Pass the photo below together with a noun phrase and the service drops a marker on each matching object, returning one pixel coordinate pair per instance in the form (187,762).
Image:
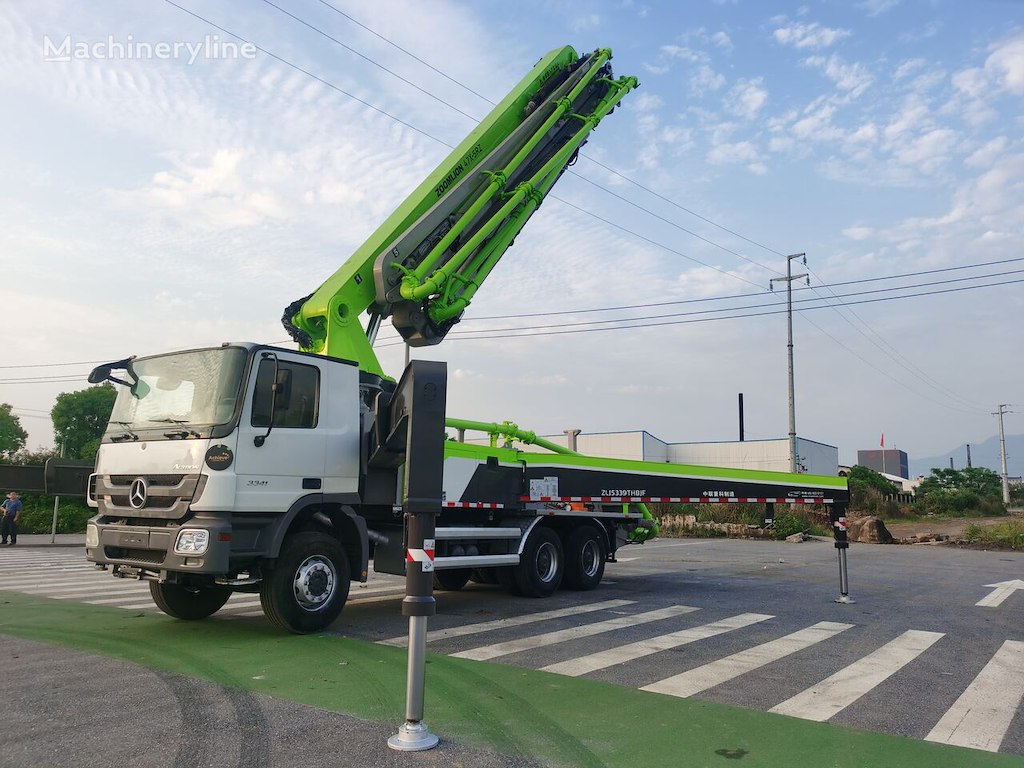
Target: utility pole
(788,280)
(1002,453)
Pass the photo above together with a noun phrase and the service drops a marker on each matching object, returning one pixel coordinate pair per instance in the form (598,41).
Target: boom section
(424,264)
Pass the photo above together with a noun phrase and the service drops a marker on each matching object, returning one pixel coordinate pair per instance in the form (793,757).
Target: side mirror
(99,374)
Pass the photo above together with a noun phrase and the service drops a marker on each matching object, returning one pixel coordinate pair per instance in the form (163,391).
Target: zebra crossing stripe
(64,580)
(717,672)
(982,715)
(70,591)
(513,621)
(630,651)
(486,652)
(833,694)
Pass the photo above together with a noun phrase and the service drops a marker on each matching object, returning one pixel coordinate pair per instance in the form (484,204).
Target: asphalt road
(748,624)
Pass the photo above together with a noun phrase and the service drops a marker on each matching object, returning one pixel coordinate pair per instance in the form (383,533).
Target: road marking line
(514,621)
(70,591)
(833,694)
(630,651)
(709,675)
(1002,591)
(982,715)
(48,579)
(587,630)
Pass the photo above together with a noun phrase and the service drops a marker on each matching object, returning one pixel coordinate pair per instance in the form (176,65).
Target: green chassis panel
(560,477)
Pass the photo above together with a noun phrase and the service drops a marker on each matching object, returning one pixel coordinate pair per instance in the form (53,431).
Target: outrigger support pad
(837,514)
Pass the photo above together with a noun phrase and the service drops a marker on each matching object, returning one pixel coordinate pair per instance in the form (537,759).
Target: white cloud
(705,79)
(1006,65)
(853,78)
(684,53)
(738,153)
(877,7)
(811,35)
(859,233)
(747,98)
(985,156)
(585,23)
(908,67)
(722,40)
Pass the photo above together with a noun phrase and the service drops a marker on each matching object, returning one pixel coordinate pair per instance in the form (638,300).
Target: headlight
(192,541)
(92,536)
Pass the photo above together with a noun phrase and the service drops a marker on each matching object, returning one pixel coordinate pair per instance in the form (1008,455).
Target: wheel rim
(590,558)
(547,562)
(315,582)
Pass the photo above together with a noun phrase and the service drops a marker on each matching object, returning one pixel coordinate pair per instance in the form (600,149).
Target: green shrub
(37,514)
(1009,534)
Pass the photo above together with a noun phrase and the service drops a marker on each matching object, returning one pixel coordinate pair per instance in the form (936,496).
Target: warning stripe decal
(681,499)
(472,504)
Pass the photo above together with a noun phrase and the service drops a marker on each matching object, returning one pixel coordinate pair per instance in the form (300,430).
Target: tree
(865,478)
(978,480)
(79,419)
(12,435)
(973,490)
(868,491)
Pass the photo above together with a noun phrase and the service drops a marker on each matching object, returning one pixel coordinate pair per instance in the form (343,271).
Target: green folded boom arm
(425,263)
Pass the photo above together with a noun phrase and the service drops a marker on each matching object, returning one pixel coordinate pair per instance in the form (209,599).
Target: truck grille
(167,496)
(151,556)
(151,480)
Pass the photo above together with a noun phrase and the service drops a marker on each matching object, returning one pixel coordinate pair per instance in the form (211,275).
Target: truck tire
(541,565)
(451,580)
(307,587)
(585,554)
(188,603)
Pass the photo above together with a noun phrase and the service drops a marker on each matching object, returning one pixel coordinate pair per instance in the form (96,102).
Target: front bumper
(151,548)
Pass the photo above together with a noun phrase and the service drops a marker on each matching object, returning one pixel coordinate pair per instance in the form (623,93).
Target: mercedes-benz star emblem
(137,495)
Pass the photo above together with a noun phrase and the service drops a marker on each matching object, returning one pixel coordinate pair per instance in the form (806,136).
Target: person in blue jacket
(11,512)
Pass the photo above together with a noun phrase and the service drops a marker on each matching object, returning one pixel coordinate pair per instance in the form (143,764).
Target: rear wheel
(541,565)
(451,580)
(188,602)
(308,585)
(585,555)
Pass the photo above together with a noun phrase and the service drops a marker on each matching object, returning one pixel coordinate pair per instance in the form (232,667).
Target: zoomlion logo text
(460,167)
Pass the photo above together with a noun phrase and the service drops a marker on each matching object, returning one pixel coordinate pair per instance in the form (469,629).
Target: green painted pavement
(561,721)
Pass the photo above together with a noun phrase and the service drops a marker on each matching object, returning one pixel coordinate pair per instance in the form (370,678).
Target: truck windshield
(197,388)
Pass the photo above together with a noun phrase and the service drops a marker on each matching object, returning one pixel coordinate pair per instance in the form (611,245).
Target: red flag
(883,439)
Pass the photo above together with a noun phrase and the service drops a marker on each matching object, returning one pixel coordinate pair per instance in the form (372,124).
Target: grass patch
(1008,535)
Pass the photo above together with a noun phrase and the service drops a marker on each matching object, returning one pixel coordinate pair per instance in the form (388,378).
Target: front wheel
(307,587)
(187,602)
(541,565)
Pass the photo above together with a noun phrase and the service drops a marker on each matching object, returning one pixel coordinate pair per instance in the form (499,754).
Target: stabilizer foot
(413,737)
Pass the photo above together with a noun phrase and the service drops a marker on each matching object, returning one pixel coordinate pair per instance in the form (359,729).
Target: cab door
(282,434)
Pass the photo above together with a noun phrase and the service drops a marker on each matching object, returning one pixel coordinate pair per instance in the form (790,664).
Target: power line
(759,306)
(740,295)
(899,358)
(860,326)
(505,333)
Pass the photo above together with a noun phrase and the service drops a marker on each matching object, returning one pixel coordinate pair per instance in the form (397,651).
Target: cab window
(297,397)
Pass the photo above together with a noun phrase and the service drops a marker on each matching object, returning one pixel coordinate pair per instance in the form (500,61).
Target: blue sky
(159,203)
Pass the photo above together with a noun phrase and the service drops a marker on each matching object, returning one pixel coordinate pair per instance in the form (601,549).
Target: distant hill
(984,454)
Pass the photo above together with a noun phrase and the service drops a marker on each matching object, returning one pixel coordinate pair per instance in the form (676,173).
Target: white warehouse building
(812,457)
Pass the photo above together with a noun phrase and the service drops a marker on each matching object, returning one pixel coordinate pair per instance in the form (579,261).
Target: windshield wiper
(185,433)
(126,435)
(181,434)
